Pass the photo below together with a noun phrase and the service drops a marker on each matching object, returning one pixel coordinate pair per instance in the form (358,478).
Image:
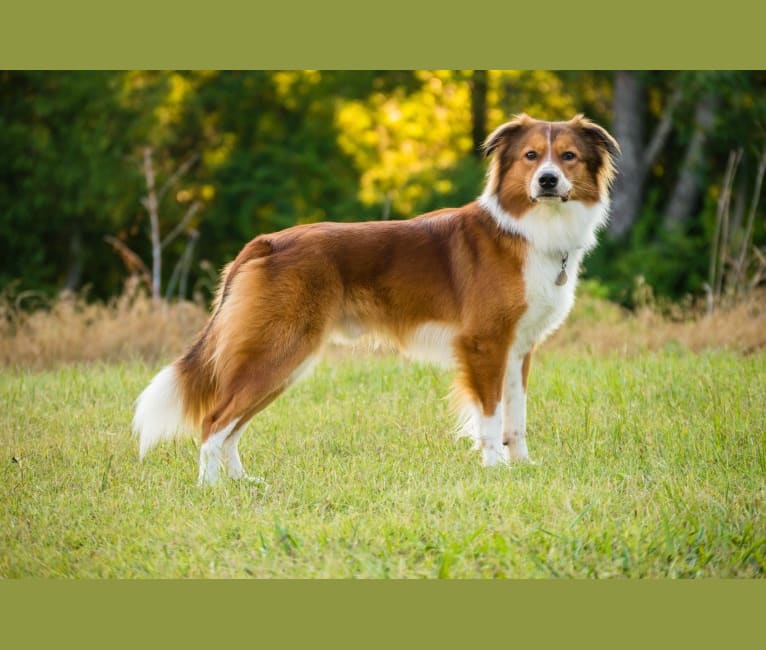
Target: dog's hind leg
(254,386)
(224,425)
(272,325)
(231,460)
(210,454)
(230,450)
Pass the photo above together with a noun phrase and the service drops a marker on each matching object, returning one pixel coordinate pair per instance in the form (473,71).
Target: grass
(647,466)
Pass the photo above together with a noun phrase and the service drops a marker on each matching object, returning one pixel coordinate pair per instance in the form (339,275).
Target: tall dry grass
(600,327)
(70,329)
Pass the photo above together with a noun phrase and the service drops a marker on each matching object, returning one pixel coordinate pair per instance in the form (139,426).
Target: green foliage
(672,262)
(675,261)
(62,173)
(276,148)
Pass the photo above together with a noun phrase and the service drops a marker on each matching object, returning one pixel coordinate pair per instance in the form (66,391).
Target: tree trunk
(479,110)
(686,192)
(628,128)
(151,204)
(738,201)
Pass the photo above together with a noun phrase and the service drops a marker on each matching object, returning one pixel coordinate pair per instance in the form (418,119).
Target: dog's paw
(516,448)
(519,456)
(491,457)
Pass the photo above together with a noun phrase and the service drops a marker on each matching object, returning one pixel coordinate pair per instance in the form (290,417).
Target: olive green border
(540,614)
(349,34)
(536,614)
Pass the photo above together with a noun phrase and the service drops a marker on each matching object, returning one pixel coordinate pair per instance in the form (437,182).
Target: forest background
(230,155)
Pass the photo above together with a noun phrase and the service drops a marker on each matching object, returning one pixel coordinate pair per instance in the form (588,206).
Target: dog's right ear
(505,133)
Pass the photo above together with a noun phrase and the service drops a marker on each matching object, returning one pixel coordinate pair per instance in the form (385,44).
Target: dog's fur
(476,286)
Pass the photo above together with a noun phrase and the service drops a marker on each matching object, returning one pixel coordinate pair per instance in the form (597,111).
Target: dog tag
(561,280)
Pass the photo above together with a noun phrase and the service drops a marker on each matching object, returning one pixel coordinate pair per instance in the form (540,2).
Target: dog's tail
(177,399)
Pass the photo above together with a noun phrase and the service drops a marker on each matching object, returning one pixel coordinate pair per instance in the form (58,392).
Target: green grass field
(649,466)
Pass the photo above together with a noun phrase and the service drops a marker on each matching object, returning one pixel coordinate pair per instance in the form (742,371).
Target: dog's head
(536,162)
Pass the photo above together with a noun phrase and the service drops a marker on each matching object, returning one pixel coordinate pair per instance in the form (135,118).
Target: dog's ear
(504,133)
(596,134)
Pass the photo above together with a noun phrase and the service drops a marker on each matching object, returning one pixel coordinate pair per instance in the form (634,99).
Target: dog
(477,287)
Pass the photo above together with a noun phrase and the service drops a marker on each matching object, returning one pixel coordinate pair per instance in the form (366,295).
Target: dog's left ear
(597,134)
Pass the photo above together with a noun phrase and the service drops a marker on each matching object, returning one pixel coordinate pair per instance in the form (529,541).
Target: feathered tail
(179,396)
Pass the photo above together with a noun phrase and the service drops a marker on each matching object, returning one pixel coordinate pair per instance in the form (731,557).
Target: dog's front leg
(515,406)
(491,431)
(482,367)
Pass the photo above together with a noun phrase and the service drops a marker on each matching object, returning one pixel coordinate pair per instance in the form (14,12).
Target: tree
(685,195)
(638,154)
(276,148)
(65,139)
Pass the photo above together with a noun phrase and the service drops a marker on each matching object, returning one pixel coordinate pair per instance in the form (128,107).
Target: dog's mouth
(550,196)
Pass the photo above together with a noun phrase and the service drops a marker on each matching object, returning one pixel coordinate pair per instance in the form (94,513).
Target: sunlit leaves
(402,143)
(276,148)
(539,93)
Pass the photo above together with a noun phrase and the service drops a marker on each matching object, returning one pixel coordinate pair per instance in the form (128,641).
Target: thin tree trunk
(628,128)
(719,247)
(478,110)
(740,197)
(180,273)
(186,266)
(151,205)
(741,264)
(686,192)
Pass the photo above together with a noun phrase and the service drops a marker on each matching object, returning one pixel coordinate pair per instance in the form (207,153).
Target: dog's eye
(531,155)
(568,155)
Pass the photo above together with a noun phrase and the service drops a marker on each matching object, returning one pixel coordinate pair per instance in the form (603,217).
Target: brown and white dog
(478,286)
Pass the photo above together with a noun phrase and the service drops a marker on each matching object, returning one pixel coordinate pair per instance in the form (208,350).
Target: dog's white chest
(547,303)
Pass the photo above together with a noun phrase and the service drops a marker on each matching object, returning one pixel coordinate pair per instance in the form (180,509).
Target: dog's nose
(548,181)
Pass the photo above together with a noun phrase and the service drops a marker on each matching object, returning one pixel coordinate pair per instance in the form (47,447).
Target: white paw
(516,446)
(208,479)
(490,457)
